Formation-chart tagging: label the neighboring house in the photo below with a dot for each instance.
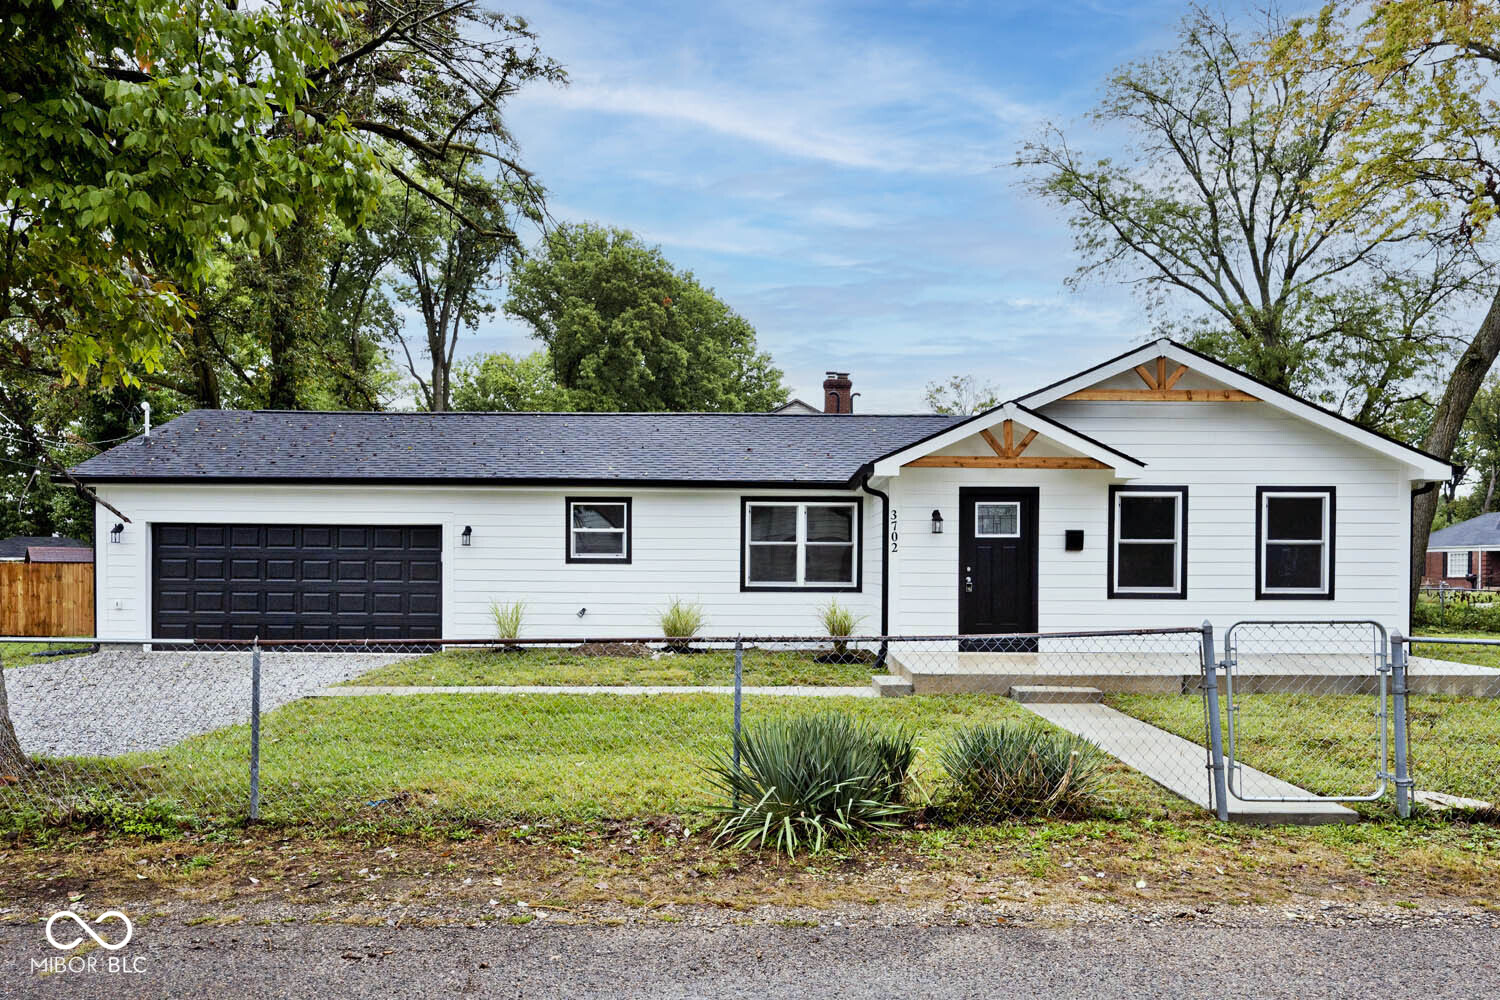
(1466, 554)
(796, 407)
(1160, 488)
(23, 548)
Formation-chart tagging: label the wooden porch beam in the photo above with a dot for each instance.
(998, 462)
(1161, 396)
(1146, 377)
(1172, 378)
(1030, 437)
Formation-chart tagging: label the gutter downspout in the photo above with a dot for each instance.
(885, 562)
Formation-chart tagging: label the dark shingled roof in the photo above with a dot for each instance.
(58, 554)
(729, 448)
(15, 546)
(1482, 532)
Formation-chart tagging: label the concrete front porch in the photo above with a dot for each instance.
(929, 669)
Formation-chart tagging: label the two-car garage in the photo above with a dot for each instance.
(296, 581)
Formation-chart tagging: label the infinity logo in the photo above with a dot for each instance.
(83, 926)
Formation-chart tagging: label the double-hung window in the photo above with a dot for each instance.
(800, 544)
(1148, 541)
(1458, 564)
(598, 529)
(1294, 542)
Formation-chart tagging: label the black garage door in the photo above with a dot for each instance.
(240, 581)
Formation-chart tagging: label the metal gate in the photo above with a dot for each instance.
(1296, 696)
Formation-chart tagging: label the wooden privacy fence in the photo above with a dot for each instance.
(44, 599)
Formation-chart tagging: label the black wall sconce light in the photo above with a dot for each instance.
(116, 532)
(937, 522)
(468, 535)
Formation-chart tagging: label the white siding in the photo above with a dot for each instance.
(686, 543)
(1221, 452)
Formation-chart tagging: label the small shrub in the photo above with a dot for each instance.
(805, 782)
(508, 619)
(840, 623)
(1456, 613)
(1010, 769)
(681, 619)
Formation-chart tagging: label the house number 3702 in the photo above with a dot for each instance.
(895, 535)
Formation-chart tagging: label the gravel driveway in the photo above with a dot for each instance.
(115, 702)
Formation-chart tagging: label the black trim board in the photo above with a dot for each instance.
(1182, 555)
(1332, 542)
(859, 544)
(568, 555)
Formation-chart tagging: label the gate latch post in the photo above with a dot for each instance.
(1215, 725)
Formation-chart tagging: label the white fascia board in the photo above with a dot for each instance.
(1423, 469)
(1125, 467)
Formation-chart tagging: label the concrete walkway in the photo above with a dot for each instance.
(790, 691)
(1180, 766)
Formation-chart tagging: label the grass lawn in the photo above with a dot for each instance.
(1328, 743)
(389, 760)
(24, 654)
(560, 666)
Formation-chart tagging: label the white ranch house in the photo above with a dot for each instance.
(1160, 488)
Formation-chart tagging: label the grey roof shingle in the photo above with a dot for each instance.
(1482, 532)
(261, 445)
(15, 546)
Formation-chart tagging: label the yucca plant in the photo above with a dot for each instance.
(1019, 769)
(508, 618)
(802, 783)
(840, 623)
(680, 620)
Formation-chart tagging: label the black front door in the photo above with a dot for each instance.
(997, 567)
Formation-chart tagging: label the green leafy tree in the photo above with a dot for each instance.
(1414, 82)
(961, 395)
(503, 382)
(627, 331)
(1214, 215)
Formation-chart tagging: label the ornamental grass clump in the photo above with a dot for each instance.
(680, 620)
(840, 623)
(1019, 770)
(805, 782)
(508, 618)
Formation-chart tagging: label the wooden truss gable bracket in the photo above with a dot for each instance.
(1007, 448)
(1161, 388)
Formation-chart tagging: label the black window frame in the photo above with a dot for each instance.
(568, 555)
(1330, 544)
(820, 588)
(1180, 592)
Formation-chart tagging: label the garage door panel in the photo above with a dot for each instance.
(297, 581)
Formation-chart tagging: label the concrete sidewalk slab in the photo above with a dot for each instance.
(789, 691)
(1180, 766)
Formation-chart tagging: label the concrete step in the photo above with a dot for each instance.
(1061, 694)
(891, 686)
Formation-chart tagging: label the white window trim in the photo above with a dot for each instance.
(1448, 566)
(1266, 541)
(574, 531)
(801, 544)
(1176, 541)
(1015, 504)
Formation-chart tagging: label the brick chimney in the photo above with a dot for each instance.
(837, 394)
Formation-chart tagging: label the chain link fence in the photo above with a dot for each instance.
(463, 734)
(1453, 724)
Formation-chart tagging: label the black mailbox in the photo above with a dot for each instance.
(1073, 540)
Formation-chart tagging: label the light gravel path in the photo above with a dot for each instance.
(117, 701)
(790, 691)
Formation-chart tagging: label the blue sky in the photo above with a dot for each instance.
(839, 174)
